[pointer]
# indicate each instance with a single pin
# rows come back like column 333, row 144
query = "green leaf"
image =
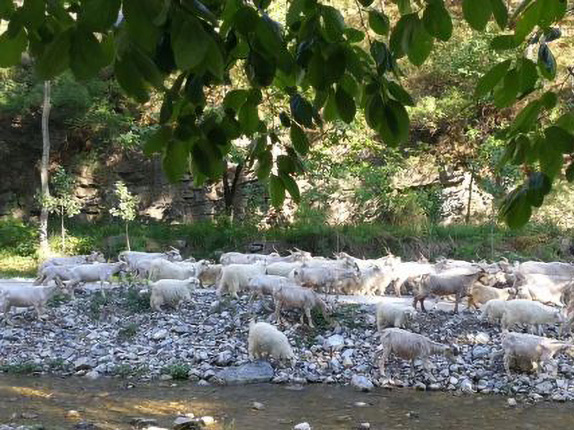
column 550, row 156
column 291, row 186
column 560, row 138
column 491, row 79
column 6, row 9
column 539, row 185
column 214, row 59
column 418, row 42
column 246, row 20
column 330, row 112
column 476, row 13
column 546, row 62
column 130, row 79
column 551, row 11
column 528, row 20
column 570, row 172
column 207, row 158
column 140, row 16
column 175, row 160
column 527, row 76
column 500, row 12
column 353, row 35
column 269, row 36
column 397, row 41
column 505, row 95
column 248, row 117
column 504, row 42
column 285, row 164
column 99, row 15
column 515, row 208
column 301, row 110
column 392, row 123
column 86, row 55
column 276, row 191
column 33, row 13
column 379, row 22
column 333, row 23
column 437, row 20
column 234, row 99
column 55, row 58
column 400, row 94
column 404, row 6
column 264, row 165
column 345, row 105
column 299, row 139
column 189, row 42
column 527, row 117
column 566, row 121
column 157, row 141
column 549, row 100
column 11, row 48
column 260, row 70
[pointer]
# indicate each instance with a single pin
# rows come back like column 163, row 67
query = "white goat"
column 298, row 298
column 393, row 315
column 493, row 310
column 132, row 257
column 171, row 292
column 410, row 346
column 93, row 257
column 266, row 341
column 282, row 268
column 240, row 258
column 529, row 352
column 265, row 285
column 164, row 269
column 25, row 296
column 102, row 272
column 533, row 314
column 236, row 277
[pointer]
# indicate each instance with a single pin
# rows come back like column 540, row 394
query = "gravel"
column 206, row 339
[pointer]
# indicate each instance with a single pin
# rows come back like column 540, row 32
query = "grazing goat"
column 300, row 298
column 528, row 352
column 266, row 341
column 393, row 315
column 410, row 346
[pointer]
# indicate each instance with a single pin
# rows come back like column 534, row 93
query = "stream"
column 113, row 403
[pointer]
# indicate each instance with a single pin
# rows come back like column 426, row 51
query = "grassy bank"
column 18, row 253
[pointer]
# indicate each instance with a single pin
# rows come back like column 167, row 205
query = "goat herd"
column 529, row 293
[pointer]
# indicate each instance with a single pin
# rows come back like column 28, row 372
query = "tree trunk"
column 469, row 196
column 44, row 245
column 63, row 232
column 128, row 237
column 230, row 190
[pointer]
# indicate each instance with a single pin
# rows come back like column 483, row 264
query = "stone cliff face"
column 20, row 151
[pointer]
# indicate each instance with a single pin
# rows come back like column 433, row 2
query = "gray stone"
column 361, row 383
column 512, row 402
column 545, row 387
column 480, row 351
column 92, row 375
column 335, row 342
column 250, row 373
column 83, row 363
column 302, row 426
column 159, row 334
column 140, row 422
column 187, row 423
column 466, row 386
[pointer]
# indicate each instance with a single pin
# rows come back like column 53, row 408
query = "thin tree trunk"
column 128, row 237
column 44, row 245
column 469, row 196
column 63, row 232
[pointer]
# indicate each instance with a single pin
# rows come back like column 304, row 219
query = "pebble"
column 361, row 383
column 512, row 402
column 258, row 406
column 302, row 426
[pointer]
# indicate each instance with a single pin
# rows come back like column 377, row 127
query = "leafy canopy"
column 328, row 70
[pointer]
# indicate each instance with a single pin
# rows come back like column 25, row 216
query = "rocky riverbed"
column 206, row 342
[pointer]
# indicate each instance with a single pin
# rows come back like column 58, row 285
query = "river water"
column 111, row 404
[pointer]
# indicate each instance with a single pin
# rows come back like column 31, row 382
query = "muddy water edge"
column 112, row 403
